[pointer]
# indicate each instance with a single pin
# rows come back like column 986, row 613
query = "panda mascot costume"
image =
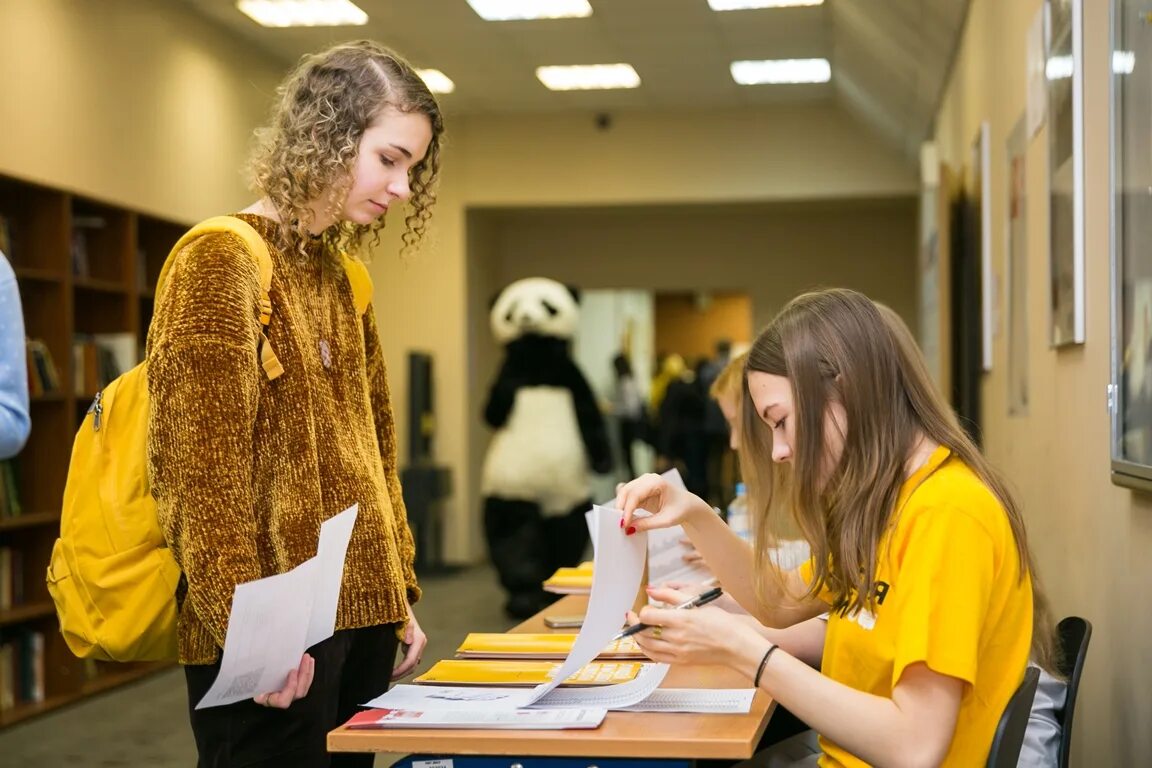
column 548, row 433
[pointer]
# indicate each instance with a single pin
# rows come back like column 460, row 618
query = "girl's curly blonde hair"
column 309, row 149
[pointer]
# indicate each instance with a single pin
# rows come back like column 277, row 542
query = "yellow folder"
column 499, row 673
column 570, row 581
column 498, row 645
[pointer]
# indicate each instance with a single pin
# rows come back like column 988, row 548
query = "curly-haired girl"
column 245, row 467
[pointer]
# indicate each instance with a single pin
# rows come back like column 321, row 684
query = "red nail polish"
column 621, row 522
column 630, row 530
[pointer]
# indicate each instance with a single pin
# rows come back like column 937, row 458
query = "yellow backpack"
column 111, row 574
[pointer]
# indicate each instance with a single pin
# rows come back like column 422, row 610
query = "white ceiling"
column 889, row 57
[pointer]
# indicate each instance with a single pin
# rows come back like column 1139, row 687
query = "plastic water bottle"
column 738, row 519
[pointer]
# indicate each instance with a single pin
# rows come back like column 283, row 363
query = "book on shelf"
column 100, row 357
column 515, row 719
column 526, row 645
column 570, row 581
column 10, row 505
column 11, row 578
column 22, row 669
column 43, row 375
column 5, row 237
column 524, row 673
column 81, row 226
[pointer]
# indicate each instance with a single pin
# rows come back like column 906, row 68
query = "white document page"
column 272, row 619
column 666, row 551
column 429, row 698
column 716, row 701
column 616, row 575
column 266, row 632
column 335, row 534
column 517, row 719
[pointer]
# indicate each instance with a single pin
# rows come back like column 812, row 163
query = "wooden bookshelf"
column 84, row 268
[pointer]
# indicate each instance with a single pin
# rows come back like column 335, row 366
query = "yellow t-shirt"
column 949, row 594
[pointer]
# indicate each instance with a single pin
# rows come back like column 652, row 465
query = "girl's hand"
column 413, row 647
column 669, row 504
column 295, row 687
column 705, row 635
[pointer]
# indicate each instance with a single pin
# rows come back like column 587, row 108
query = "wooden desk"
column 662, row 735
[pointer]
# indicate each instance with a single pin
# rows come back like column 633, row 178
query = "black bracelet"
column 763, row 663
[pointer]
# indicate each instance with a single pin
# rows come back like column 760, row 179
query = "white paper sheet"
column 715, row 701
column 441, row 697
column 517, row 719
column 335, row 534
column 616, row 575
column 273, row 619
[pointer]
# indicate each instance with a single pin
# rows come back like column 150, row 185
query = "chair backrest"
column 1073, row 634
column 1005, row 751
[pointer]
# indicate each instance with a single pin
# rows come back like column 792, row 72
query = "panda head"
column 535, row 305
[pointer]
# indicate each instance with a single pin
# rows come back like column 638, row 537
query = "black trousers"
column 526, row 547
column 352, row 666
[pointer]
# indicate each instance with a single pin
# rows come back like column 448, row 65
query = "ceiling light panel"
column 519, row 10
column 589, row 77
column 303, row 13
column 437, row 81
column 745, row 5
column 781, row 71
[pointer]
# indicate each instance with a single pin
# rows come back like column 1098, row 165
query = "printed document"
column 275, row 619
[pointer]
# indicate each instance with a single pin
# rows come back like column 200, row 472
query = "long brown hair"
column 310, row 147
column 836, row 346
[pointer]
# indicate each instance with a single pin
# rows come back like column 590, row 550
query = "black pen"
column 702, row 599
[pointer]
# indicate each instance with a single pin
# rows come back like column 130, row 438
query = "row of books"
column 43, row 375
column 100, row 357
column 96, row 360
column 22, row 669
column 9, row 490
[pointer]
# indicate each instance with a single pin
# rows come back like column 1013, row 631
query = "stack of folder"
column 492, row 645
column 524, row 673
column 570, row 581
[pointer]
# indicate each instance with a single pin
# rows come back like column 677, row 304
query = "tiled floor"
column 146, row 724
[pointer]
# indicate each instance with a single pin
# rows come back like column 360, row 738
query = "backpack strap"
column 257, row 248
column 360, row 281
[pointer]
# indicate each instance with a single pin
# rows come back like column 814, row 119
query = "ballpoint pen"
column 702, row 599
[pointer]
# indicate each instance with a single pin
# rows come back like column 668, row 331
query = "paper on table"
column 666, row 551
column 517, row 719
column 733, row 701
column 274, row 619
column 442, row 697
column 619, row 566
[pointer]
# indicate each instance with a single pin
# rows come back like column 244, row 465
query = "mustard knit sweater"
column 244, row 470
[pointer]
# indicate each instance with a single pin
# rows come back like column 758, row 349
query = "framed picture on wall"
column 1064, row 69
column 980, row 198
column 1016, row 271
column 1130, row 389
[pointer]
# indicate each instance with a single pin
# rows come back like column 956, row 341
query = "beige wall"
column 137, row 103
column 1091, row 538
column 691, row 324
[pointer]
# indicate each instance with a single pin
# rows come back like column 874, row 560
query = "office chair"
column 1005, row 751
column 1073, row 634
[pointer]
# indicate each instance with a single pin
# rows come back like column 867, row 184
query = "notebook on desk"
column 515, row 645
column 527, row 673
